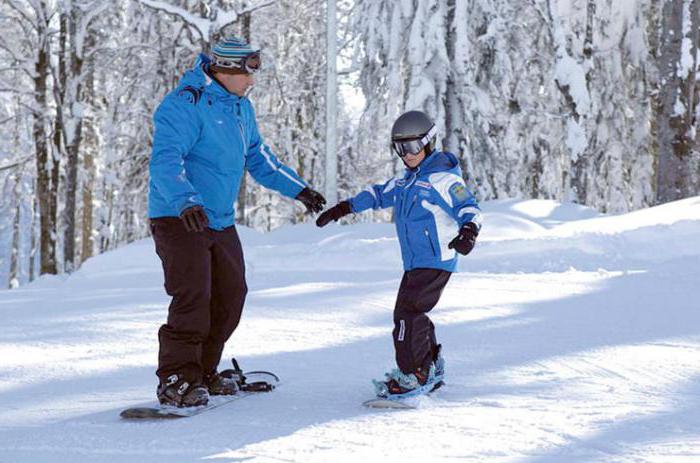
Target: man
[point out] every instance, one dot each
(205, 138)
(436, 218)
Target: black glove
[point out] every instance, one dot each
(313, 200)
(341, 209)
(464, 242)
(195, 219)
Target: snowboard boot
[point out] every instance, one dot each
(220, 385)
(439, 362)
(400, 383)
(176, 391)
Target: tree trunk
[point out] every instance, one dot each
(88, 240)
(581, 167)
(72, 127)
(331, 183)
(106, 227)
(16, 253)
(44, 190)
(676, 102)
(241, 203)
(59, 140)
(16, 235)
(686, 148)
(449, 141)
(32, 231)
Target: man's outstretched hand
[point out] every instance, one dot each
(313, 200)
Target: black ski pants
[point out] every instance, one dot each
(414, 333)
(205, 276)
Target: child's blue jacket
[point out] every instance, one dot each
(430, 204)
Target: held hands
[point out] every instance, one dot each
(334, 213)
(313, 200)
(464, 242)
(195, 219)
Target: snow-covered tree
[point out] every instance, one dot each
(538, 98)
(592, 101)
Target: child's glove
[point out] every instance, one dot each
(313, 200)
(464, 242)
(341, 209)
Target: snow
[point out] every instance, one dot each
(569, 336)
(686, 64)
(571, 74)
(576, 138)
(202, 25)
(679, 108)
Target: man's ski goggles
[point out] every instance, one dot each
(404, 147)
(250, 64)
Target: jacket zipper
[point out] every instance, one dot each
(403, 211)
(408, 245)
(407, 208)
(432, 247)
(243, 140)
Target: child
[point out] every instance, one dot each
(436, 218)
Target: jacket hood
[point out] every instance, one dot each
(197, 78)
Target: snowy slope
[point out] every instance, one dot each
(569, 337)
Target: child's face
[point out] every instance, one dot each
(413, 160)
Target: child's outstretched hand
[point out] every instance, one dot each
(464, 242)
(341, 209)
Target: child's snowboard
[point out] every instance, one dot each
(403, 401)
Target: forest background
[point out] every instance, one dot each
(588, 101)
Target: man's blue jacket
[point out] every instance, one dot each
(205, 138)
(431, 203)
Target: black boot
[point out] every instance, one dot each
(176, 391)
(220, 385)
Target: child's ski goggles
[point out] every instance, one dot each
(404, 147)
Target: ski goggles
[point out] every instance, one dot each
(404, 147)
(249, 64)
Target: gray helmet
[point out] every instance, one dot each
(412, 132)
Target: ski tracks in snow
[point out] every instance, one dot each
(566, 341)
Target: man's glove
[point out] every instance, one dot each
(313, 200)
(341, 209)
(464, 242)
(195, 219)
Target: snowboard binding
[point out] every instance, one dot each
(242, 379)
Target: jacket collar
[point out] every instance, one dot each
(198, 77)
(439, 161)
(429, 163)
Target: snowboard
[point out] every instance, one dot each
(250, 383)
(403, 401)
(157, 411)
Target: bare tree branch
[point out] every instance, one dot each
(229, 17)
(205, 26)
(22, 12)
(16, 163)
(199, 24)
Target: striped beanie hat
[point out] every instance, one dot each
(229, 53)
